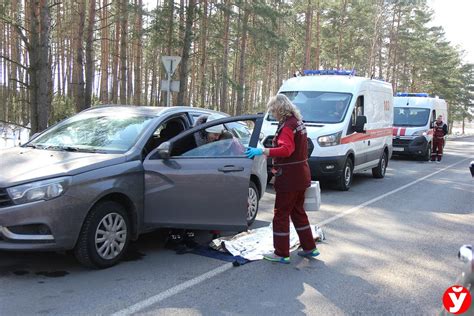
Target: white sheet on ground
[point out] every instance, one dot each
(252, 244)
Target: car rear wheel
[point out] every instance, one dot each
(104, 236)
(379, 171)
(252, 203)
(345, 180)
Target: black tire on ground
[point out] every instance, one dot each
(252, 203)
(379, 171)
(345, 180)
(427, 155)
(112, 219)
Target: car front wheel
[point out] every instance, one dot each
(379, 171)
(252, 203)
(345, 179)
(104, 236)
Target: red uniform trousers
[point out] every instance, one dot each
(437, 151)
(290, 204)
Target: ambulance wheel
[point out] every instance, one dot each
(427, 155)
(379, 171)
(345, 180)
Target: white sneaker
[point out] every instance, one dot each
(438, 161)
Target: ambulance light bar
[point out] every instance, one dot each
(330, 72)
(406, 94)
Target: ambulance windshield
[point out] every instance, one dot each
(403, 116)
(318, 106)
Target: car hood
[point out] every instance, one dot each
(20, 165)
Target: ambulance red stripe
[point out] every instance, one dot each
(369, 134)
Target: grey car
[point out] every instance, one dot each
(99, 179)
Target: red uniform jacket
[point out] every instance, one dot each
(440, 130)
(290, 156)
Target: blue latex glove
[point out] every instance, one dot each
(252, 152)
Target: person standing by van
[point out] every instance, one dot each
(439, 131)
(292, 178)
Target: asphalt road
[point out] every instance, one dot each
(391, 249)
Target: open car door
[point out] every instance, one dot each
(202, 187)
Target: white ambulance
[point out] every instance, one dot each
(349, 120)
(413, 119)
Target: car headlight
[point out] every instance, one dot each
(419, 133)
(40, 190)
(330, 140)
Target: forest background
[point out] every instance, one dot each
(58, 57)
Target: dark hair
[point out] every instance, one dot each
(226, 135)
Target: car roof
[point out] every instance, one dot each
(330, 83)
(148, 110)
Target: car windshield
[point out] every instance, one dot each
(410, 116)
(319, 107)
(94, 132)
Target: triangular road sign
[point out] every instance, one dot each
(170, 63)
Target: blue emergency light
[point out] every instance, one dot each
(407, 94)
(329, 72)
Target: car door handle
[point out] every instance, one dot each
(369, 142)
(231, 169)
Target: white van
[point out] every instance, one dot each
(413, 118)
(349, 120)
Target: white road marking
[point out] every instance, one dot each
(403, 187)
(172, 291)
(221, 269)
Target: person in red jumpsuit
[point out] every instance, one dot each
(439, 131)
(292, 178)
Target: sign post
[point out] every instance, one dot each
(170, 63)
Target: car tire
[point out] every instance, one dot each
(252, 203)
(104, 236)
(345, 180)
(379, 171)
(427, 155)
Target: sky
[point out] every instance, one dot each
(456, 18)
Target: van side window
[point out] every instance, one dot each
(433, 117)
(358, 110)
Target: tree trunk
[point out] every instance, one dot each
(104, 54)
(183, 74)
(317, 51)
(243, 46)
(202, 65)
(90, 65)
(309, 26)
(116, 59)
(123, 51)
(138, 53)
(170, 26)
(78, 70)
(40, 68)
(225, 58)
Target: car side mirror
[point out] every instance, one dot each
(164, 151)
(360, 123)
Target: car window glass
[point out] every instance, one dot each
(115, 132)
(241, 131)
(218, 141)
